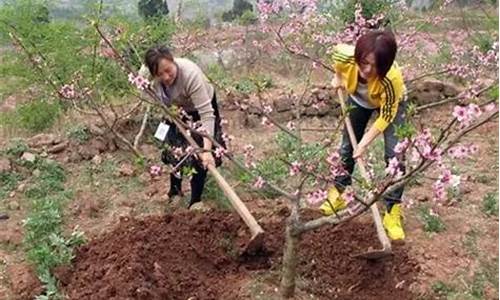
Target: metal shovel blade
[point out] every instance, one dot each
(374, 254)
(382, 237)
(255, 245)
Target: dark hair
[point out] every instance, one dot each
(383, 46)
(154, 55)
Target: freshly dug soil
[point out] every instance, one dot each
(191, 255)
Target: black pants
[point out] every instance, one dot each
(176, 139)
(359, 117)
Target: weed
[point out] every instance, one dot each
(46, 247)
(8, 182)
(51, 180)
(245, 86)
(213, 193)
(16, 148)
(431, 221)
(79, 133)
(490, 204)
(442, 289)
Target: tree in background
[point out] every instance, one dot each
(41, 13)
(239, 8)
(152, 8)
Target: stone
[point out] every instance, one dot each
(27, 156)
(283, 103)
(199, 206)
(97, 160)
(21, 187)
(42, 139)
(58, 148)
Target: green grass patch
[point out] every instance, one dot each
(442, 289)
(34, 116)
(432, 222)
(8, 182)
(214, 194)
(46, 246)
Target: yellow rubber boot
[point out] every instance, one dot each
(392, 223)
(333, 203)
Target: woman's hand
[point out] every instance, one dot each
(365, 142)
(358, 153)
(207, 159)
(337, 83)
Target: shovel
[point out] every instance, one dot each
(256, 241)
(382, 236)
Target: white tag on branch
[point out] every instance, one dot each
(161, 131)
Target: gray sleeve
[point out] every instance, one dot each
(199, 93)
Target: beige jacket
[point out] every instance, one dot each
(191, 91)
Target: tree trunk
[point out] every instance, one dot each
(289, 271)
(178, 12)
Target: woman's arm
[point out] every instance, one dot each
(367, 139)
(202, 101)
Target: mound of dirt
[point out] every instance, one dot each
(195, 256)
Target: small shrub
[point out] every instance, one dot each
(248, 18)
(264, 81)
(245, 86)
(219, 76)
(483, 41)
(79, 134)
(240, 7)
(345, 9)
(152, 8)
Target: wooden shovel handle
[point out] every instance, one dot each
(374, 208)
(236, 202)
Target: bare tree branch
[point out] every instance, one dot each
(143, 127)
